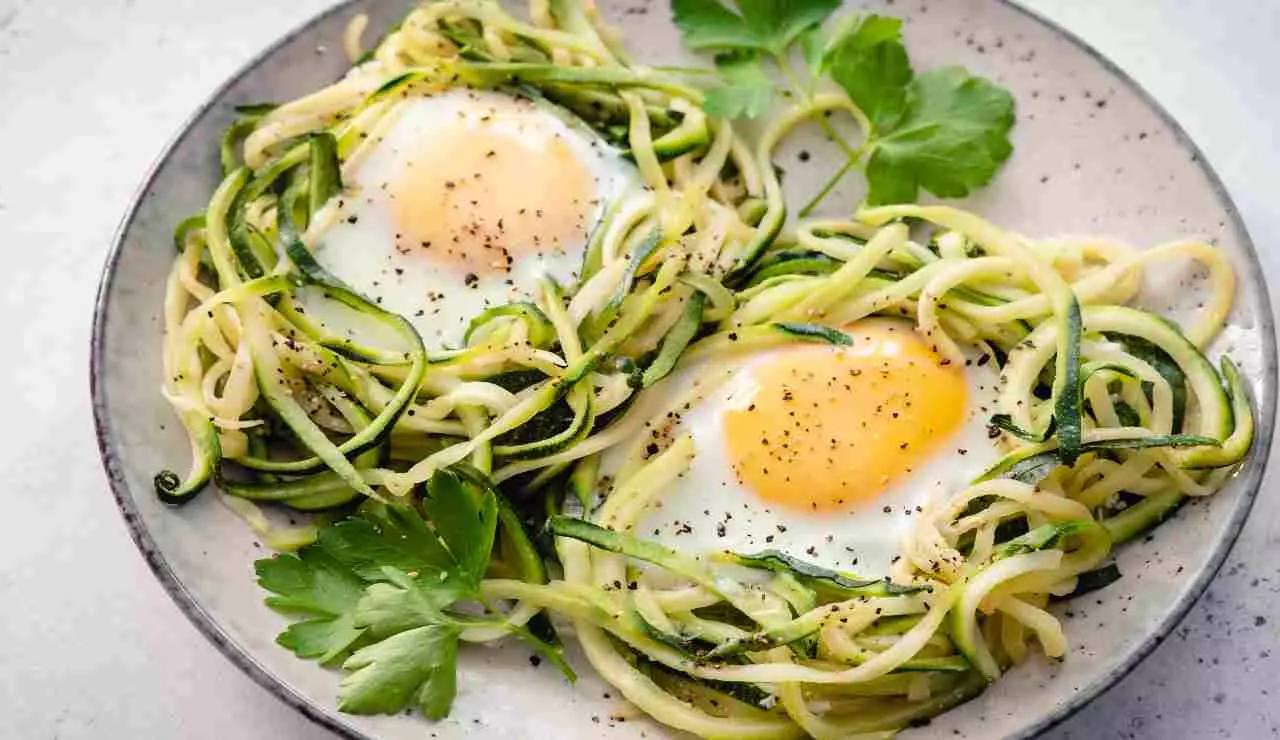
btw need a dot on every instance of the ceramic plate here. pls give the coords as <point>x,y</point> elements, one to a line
<point>1093,154</point>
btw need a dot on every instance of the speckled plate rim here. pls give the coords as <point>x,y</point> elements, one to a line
<point>1251,482</point>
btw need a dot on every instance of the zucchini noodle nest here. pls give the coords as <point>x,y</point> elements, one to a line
<point>1109,416</point>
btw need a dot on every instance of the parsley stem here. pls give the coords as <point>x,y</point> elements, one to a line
<point>806,95</point>
<point>784,64</point>
<point>696,71</point>
<point>835,136</point>
<point>488,604</point>
<point>816,200</point>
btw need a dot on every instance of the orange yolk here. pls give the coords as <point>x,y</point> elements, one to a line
<point>832,428</point>
<point>489,189</point>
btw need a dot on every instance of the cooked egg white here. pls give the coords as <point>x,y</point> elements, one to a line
<point>826,453</point>
<point>463,201</point>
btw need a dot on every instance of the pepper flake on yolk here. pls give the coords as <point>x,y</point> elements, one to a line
<point>830,428</point>
<point>490,187</point>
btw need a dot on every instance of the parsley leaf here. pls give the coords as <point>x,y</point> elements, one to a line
<point>951,139</point>
<point>945,131</point>
<point>756,29</point>
<point>749,90</point>
<point>416,660</point>
<point>870,63</point>
<point>813,47</point>
<point>706,24</point>
<point>380,590</point>
<point>760,25</point>
<point>404,603</point>
<point>398,537</point>
<point>417,666</point>
<point>781,21</point>
<point>389,536</point>
<point>320,589</point>
<point>466,521</point>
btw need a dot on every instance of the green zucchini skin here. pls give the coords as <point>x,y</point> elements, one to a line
<point>184,229</point>
<point>613,541</point>
<point>814,332</point>
<point>324,482</point>
<point>539,327</point>
<point>1005,423</point>
<point>317,491</point>
<point>324,175</point>
<point>1143,516</point>
<point>207,451</point>
<point>692,134</point>
<point>1043,537</point>
<point>1153,355</point>
<point>1095,580</point>
<point>228,146</point>
<point>791,262</point>
<point>495,74</point>
<point>517,540</point>
<point>676,340</point>
<point>767,230</point>
<point>1068,404</point>
<point>948,664</point>
<point>641,254</point>
<point>1201,378</point>
<point>829,583</point>
<point>748,601</point>
<point>689,647</point>
<point>1235,446</point>
<point>1031,464</point>
<point>583,481</point>
<point>579,426</point>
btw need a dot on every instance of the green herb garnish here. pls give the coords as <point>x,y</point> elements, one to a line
<point>380,595</point>
<point>945,130</point>
<point>766,26</point>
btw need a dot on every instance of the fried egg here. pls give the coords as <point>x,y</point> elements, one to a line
<point>824,452</point>
<point>464,200</point>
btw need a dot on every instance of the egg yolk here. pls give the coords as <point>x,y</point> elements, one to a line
<point>495,184</point>
<point>826,428</point>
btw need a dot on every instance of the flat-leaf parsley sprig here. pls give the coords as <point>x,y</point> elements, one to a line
<point>943,130</point>
<point>387,595</point>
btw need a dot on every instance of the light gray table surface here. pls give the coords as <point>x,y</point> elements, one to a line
<point>90,645</point>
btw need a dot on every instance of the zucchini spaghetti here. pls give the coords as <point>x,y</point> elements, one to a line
<point>497,479</point>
